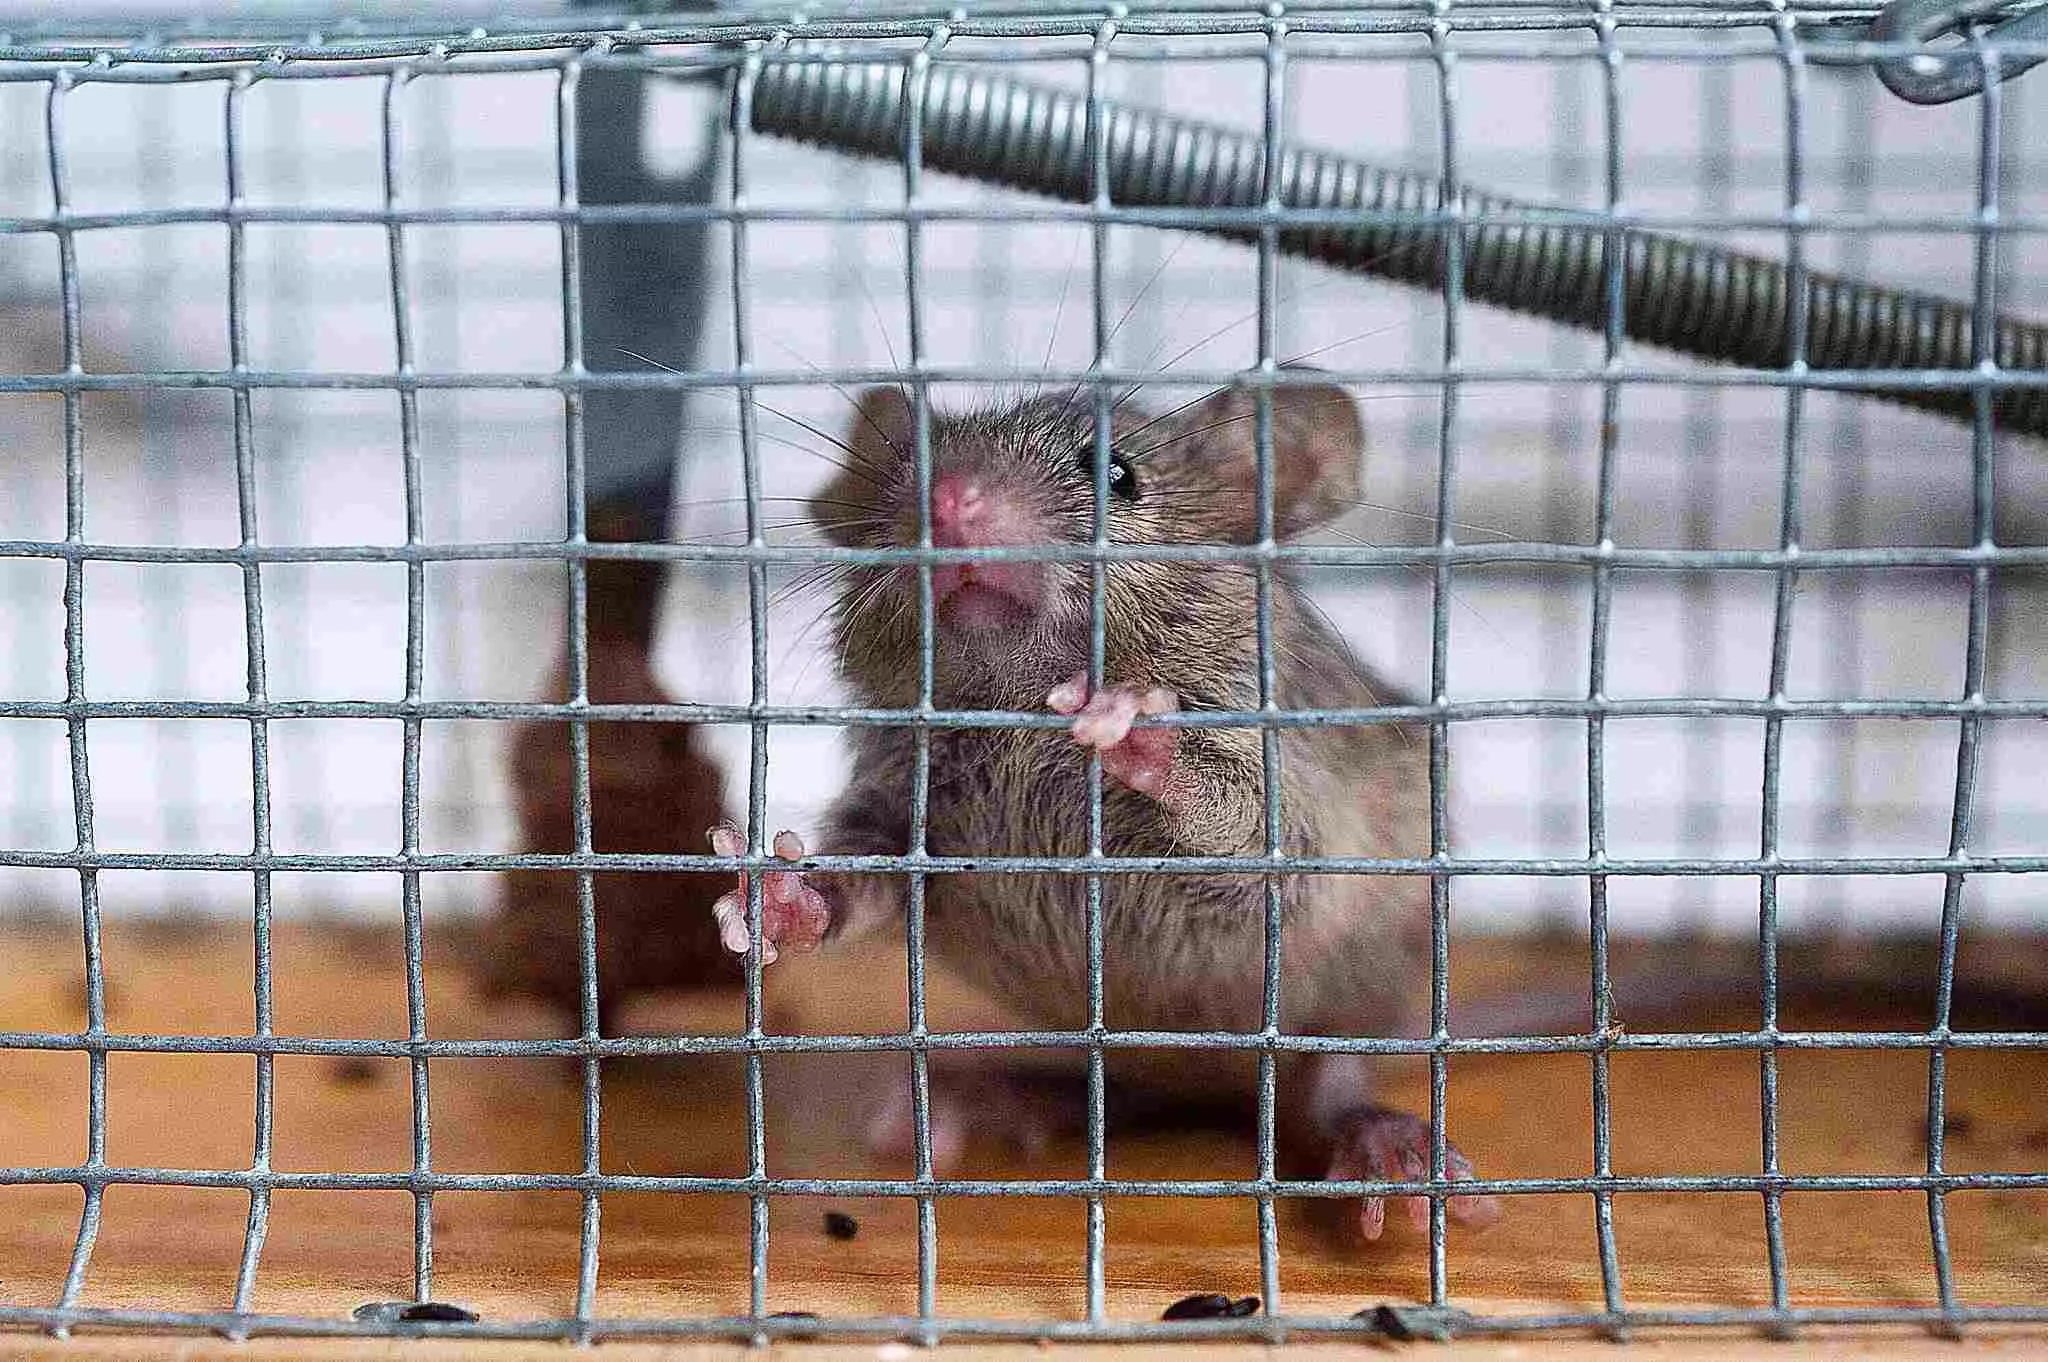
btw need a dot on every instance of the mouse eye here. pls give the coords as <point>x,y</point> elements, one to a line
<point>1123,477</point>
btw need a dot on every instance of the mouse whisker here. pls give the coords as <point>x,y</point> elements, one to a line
<point>1158,494</point>
<point>1172,328</point>
<point>1421,572</point>
<point>769,437</point>
<point>874,512</point>
<point>767,526</point>
<point>764,435</point>
<point>1284,363</point>
<point>803,522</point>
<point>800,584</point>
<point>803,633</point>
<point>1135,456</point>
<point>1369,334</point>
<point>840,388</point>
<point>695,502</point>
<point>867,471</point>
<point>1427,516</point>
<point>1331,624</point>
<point>1168,415</point>
<point>1130,309</point>
<point>1158,272</point>
<point>888,348</point>
<point>1059,309</point>
<point>823,611</point>
<point>1280,299</point>
<point>869,592</point>
<point>793,643</point>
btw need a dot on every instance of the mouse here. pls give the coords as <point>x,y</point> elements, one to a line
<point>1181,951</point>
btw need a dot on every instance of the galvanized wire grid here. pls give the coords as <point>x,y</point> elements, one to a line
<point>745,50</point>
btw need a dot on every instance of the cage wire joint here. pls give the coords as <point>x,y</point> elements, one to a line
<point>1942,78</point>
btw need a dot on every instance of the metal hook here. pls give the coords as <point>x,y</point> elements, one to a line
<point>1940,78</point>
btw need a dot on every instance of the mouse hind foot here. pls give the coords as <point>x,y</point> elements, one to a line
<point>1024,1113</point>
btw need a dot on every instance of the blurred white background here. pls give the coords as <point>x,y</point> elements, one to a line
<point>1698,468</point>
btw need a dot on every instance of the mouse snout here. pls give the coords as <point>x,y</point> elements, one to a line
<point>970,511</point>
<point>973,511</point>
<point>963,513</point>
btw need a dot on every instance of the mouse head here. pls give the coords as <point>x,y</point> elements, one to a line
<point>1024,475</point>
<point>1037,457</point>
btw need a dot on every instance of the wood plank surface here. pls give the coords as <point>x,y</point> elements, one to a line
<point>513,1255</point>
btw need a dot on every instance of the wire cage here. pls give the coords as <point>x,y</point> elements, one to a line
<point>1695,302</point>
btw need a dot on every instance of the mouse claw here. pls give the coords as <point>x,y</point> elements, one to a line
<point>1372,1217</point>
<point>1477,1211</point>
<point>731,914</point>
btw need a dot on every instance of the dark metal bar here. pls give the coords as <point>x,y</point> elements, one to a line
<point>292,47</point>
<point>639,213</point>
<point>1914,383</point>
<point>1764,560</point>
<point>1790,529</point>
<point>1454,711</point>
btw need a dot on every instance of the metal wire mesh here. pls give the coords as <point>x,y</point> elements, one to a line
<point>741,49</point>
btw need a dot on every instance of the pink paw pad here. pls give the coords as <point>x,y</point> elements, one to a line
<point>1382,1144</point>
<point>794,914</point>
<point>1141,759</point>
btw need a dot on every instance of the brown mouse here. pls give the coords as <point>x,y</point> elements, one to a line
<point>1181,951</point>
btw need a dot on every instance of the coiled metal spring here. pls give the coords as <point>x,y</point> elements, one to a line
<point>1677,293</point>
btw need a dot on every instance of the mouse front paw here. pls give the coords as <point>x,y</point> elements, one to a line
<point>1142,759</point>
<point>795,914</point>
<point>1381,1144</point>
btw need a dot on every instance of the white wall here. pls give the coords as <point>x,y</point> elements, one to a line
<point>1697,469</point>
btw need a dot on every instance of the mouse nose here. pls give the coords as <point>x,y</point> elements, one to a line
<point>959,510</point>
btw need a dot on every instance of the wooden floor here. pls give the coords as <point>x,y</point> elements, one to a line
<point>513,1256</point>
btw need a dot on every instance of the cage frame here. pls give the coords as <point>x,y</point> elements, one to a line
<point>62,58</point>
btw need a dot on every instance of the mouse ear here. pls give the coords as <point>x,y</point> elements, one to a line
<point>1318,446</point>
<point>880,437</point>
